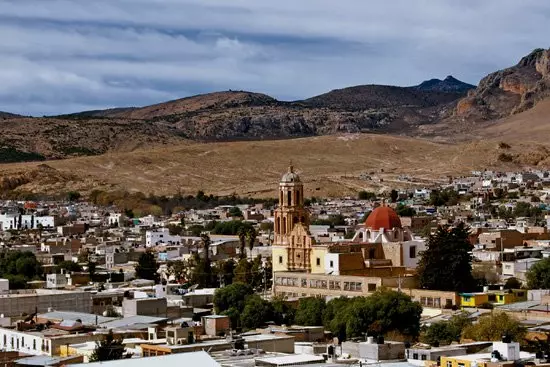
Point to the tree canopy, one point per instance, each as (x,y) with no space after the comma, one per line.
(19,268)
(147,267)
(446,332)
(230,227)
(446,264)
(405,211)
(230,300)
(492,327)
(256,312)
(538,277)
(310,311)
(108,349)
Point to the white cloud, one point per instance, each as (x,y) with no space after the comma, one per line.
(62,55)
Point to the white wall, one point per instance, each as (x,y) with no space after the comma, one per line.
(8,221)
(419,247)
(11,340)
(161,235)
(335,259)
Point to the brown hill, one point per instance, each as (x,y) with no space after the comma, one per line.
(364,97)
(330,165)
(509,91)
(7,115)
(26,138)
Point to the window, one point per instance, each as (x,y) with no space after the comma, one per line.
(318,262)
(34,344)
(371,253)
(423,357)
(289,198)
(415,355)
(492,298)
(331,264)
(412,252)
(280,259)
(449,364)
(461,365)
(466,298)
(371,287)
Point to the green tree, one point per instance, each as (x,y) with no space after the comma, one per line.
(310,311)
(283,312)
(243,272)
(108,349)
(493,326)
(538,277)
(175,230)
(394,195)
(242,242)
(251,238)
(513,283)
(382,312)
(446,264)
(405,211)
(235,212)
(446,332)
(233,295)
(73,195)
(147,267)
(178,269)
(91,269)
(225,271)
(365,195)
(256,312)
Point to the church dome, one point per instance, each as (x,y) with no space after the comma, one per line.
(290,176)
(383,217)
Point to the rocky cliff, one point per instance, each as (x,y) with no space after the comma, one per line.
(509,91)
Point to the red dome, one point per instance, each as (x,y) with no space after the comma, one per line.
(383,217)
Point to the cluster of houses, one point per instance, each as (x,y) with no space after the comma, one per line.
(57,320)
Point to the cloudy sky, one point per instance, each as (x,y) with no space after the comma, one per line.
(59,56)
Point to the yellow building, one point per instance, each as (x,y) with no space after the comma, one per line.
(493,297)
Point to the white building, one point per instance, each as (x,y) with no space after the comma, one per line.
(160,236)
(115,219)
(11,221)
(54,281)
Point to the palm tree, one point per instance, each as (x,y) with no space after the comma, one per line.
(251,236)
(242,242)
(205,239)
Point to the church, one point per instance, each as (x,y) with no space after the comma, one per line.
(382,253)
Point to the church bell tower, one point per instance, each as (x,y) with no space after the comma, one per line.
(291,207)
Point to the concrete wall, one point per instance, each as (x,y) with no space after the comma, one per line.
(17,304)
(144,307)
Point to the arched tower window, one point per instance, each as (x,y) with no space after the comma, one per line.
(280,198)
(289,198)
(284,226)
(298,202)
(278,225)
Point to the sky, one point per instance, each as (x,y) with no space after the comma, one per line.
(62,56)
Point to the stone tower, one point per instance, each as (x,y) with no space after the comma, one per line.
(291,207)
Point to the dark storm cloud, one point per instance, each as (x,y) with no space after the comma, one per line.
(67,55)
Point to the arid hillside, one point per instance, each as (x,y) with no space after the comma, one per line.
(330,166)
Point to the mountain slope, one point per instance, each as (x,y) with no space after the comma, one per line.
(509,91)
(7,115)
(364,97)
(449,85)
(329,165)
